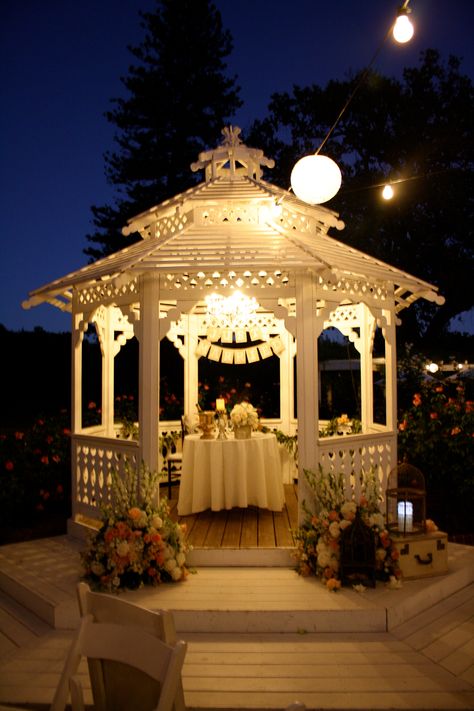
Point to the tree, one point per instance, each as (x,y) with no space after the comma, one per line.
(178,101)
(418,130)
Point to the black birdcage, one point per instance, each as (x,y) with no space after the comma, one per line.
(357,547)
(406,501)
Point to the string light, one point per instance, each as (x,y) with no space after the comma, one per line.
(403,29)
(314,173)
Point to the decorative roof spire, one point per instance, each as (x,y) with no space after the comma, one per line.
(232,158)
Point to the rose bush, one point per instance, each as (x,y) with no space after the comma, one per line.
(436,434)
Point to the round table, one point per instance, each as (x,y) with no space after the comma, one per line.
(223,473)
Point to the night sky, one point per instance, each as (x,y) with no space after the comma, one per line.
(61,63)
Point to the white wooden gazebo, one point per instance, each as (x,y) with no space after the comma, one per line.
(233,231)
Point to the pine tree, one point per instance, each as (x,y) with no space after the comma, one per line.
(179,99)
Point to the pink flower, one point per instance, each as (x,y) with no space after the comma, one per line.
(9,466)
(433,415)
(333,584)
(19,435)
(417,399)
(455,431)
(44,459)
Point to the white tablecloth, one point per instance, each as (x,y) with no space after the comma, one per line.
(220,474)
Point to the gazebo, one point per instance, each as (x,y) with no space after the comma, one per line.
(233,232)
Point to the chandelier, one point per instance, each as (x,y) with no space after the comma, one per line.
(233,311)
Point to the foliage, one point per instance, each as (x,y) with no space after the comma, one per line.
(138,544)
(317,540)
(394,130)
(35,471)
(341,425)
(436,434)
(178,100)
(289,442)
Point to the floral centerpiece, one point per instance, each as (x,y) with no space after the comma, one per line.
(318,540)
(137,544)
(244,415)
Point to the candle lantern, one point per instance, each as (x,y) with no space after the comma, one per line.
(357,548)
(406,501)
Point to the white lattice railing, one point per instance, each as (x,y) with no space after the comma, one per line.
(351,454)
(95,457)
(94,460)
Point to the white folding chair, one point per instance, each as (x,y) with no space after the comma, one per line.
(112,609)
(133,669)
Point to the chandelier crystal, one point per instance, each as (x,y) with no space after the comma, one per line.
(233,311)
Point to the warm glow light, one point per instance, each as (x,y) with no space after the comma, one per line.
(432,367)
(231,312)
(387,192)
(405,516)
(315,179)
(220,404)
(403,29)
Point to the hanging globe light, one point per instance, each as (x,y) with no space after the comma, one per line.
(315,179)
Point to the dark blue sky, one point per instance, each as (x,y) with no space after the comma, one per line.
(61,63)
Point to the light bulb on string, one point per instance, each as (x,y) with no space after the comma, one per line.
(315,179)
(403,29)
(387,192)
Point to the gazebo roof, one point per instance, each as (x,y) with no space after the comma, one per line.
(234,224)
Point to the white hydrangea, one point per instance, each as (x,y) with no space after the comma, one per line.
(170,564)
(156,521)
(176,574)
(334,529)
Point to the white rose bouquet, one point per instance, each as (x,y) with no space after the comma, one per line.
(244,414)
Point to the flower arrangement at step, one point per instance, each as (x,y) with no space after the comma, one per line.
(244,414)
(318,539)
(137,544)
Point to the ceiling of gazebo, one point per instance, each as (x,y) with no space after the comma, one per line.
(235,229)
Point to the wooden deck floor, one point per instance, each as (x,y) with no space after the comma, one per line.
(241,528)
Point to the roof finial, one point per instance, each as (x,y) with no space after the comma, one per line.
(232,159)
(231,135)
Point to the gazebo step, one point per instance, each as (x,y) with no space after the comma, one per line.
(241,557)
(42,576)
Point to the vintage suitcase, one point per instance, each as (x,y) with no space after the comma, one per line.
(422,555)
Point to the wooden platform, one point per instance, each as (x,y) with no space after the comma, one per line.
(241,528)
(258,639)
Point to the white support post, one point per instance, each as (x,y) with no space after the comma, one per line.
(149,369)
(307,380)
(286,382)
(76,373)
(367,326)
(191,360)
(391,372)
(107,337)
